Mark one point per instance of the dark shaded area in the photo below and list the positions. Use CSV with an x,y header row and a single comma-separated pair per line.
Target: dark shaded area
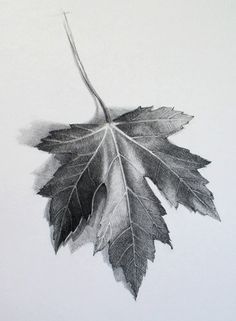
x,y
31,136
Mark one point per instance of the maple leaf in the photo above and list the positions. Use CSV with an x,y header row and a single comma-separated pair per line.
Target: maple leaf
x,y
113,159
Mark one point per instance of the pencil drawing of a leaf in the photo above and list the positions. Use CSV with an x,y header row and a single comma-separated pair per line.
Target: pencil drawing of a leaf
x,y
113,159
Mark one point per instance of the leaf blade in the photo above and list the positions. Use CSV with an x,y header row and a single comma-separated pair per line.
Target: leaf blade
x,y
115,159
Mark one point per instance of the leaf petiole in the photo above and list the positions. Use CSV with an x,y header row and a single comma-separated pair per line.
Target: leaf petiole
x,y
82,71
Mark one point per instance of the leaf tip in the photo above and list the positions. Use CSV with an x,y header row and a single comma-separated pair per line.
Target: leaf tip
x,y
38,146
56,248
41,146
57,243
98,246
41,192
44,191
95,250
135,293
216,216
170,244
188,118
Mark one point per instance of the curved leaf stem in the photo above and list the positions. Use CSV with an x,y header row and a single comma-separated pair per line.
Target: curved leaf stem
x,y
83,72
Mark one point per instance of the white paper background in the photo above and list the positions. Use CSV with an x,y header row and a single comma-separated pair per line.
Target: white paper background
x,y
173,53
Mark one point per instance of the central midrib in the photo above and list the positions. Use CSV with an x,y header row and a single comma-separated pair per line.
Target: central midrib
x,y
127,196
